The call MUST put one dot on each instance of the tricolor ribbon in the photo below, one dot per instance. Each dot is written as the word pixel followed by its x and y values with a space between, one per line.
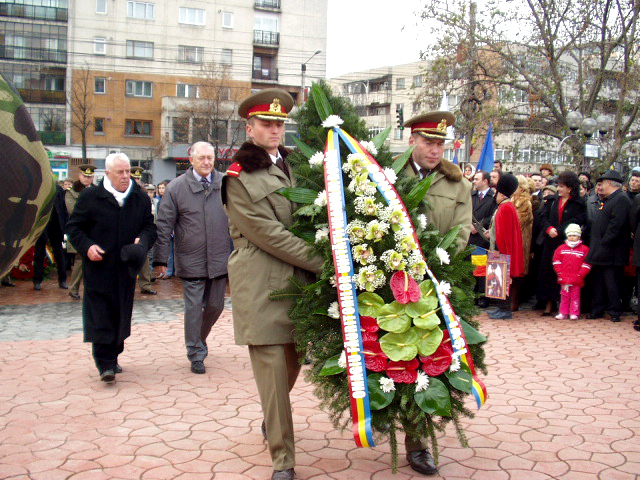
pixel 391 196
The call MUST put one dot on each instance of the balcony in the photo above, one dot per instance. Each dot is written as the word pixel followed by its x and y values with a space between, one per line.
pixel 264 37
pixel 267 4
pixel 265 74
pixel 42 96
pixel 35 12
pixel 31 53
pixel 53 138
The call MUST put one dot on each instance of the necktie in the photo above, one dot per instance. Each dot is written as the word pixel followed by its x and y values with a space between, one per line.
pixel 205 183
pixel 282 166
pixel 424 173
pixel 481 195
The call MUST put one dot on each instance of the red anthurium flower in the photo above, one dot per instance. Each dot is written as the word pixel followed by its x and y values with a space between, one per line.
pixel 375 358
pixel 438 363
pixel 369 336
pixel 403 372
pixel 369 324
pixel 405 289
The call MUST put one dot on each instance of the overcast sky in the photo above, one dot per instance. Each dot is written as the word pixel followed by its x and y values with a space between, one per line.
pixel 372 33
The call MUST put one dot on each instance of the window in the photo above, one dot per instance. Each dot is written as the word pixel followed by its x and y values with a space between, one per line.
pixel 98 126
pixel 226 56
pixel 138 49
pixel 398 134
pixel 137 127
pixel 100 85
pixel 417 80
pixel 187 91
pixel 227 20
pixel 139 89
pixel 192 16
pixel 268 24
pixel 101 6
pixel 400 84
pixel 190 54
pixel 180 128
pixel 100 45
pixel 141 10
pixel 54 83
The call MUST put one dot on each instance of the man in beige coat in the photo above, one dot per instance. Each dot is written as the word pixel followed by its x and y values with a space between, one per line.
pixel 265 255
pixel 449 197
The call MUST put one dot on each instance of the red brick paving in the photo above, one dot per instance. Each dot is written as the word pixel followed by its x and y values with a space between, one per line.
pixel 564 403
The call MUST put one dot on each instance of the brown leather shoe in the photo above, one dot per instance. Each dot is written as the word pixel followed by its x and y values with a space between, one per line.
pixel 422 462
pixel 288 474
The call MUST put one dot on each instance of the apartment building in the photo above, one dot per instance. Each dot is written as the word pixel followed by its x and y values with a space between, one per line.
pixel 148 78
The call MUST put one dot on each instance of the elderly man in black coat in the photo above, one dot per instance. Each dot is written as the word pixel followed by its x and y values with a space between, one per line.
pixel 609 247
pixel 112 228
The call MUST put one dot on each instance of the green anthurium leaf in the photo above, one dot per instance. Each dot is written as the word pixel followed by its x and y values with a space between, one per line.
pixel 306 150
pixel 378 399
pixel 435 400
pixel 428 289
pixel 450 237
pixel 380 138
pixel 417 193
pixel 308 211
pixel 428 321
pixel 322 103
pixel 428 340
pixel 331 367
pixel 460 380
pixel 424 306
pixel 401 161
pixel 369 303
pixel 299 195
pixel 392 318
pixel 473 336
pixel 400 346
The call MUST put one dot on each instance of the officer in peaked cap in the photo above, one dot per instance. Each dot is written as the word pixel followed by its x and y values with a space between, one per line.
pixel 449 196
pixel 266 254
pixel 87 170
pixel 136 174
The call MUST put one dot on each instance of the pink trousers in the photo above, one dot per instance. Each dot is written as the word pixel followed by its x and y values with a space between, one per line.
pixel 570 300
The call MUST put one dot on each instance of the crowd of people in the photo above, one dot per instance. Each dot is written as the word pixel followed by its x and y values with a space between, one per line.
pixel 560 219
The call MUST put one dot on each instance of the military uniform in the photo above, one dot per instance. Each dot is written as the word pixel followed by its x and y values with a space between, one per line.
pixel 265 255
pixel 144 277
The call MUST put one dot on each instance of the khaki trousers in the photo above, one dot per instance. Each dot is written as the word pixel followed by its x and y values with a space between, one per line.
pixel 144 277
pixel 276 368
pixel 76 274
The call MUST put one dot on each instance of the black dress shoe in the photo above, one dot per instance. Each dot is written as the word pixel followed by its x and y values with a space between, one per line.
pixel 8 283
pixel 288 474
pixel 593 316
pixel 615 318
pixel 63 285
pixel 197 366
pixel 148 291
pixel 118 368
pixel 483 302
pixel 37 286
pixel 74 295
pixel 108 376
pixel 422 462
pixel 636 325
pixel 263 429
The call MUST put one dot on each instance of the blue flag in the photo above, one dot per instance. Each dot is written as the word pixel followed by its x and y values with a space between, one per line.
pixel 455 157
pixel 487 157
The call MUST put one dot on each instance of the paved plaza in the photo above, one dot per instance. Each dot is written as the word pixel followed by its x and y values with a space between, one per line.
pixel 564 403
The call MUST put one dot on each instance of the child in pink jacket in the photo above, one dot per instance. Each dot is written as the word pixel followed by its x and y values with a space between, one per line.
pixel 571 267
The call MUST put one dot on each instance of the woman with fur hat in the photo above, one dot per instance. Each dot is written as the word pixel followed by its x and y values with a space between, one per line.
pixel 569 262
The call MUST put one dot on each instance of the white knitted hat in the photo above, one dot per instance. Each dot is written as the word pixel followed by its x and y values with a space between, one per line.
pixel 573 229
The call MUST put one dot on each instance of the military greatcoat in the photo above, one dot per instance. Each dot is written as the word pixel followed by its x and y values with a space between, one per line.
pixel 265 252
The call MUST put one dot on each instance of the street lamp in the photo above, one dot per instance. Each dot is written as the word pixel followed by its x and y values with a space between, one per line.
pixel 303 68
pixel 587 126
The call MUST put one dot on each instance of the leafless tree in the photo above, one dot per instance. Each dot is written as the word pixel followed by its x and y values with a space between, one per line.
pixel 80 105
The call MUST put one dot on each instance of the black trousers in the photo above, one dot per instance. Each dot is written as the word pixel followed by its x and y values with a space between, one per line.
pixel 53 234
pixel 106 355
pixel 607 290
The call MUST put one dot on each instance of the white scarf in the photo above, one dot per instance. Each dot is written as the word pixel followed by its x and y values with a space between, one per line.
pixel 119 196
pixel 573 244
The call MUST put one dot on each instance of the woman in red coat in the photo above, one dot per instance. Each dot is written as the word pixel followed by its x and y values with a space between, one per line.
pixel 506 237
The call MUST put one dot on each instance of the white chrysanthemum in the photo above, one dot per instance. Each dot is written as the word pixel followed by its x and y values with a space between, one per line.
pixel 370 147
pixel 342 361
pixel 321 199
pixel 334 310
pixel 445 288
pixel 316 159
pixel 332 121
pixel 332 281
pixel 443 256
pixel 391 175
pixel 422 383
pixel 387 384
pixel 422 221
pixel 455 364
pixel 322 234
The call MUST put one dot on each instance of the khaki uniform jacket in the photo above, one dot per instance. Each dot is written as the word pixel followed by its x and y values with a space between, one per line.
pixel 450 200
pixel 265 252
pixel 70 200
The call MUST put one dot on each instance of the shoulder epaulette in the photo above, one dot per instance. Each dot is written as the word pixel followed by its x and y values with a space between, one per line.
pixel 235 169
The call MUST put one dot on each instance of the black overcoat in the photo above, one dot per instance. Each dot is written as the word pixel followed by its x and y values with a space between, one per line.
pixel 108 286
pixel 610 232
pixel 634 221
pixel 575 211
pixel 482 213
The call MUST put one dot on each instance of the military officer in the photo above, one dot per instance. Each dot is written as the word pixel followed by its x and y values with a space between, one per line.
pixel 144 277
pixel 265 255
pixel 449 196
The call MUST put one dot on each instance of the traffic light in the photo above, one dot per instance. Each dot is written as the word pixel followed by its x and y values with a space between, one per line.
pixel 400 118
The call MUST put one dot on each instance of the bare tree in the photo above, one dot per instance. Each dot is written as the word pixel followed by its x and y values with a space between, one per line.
pixel 80 105
pixel 526 64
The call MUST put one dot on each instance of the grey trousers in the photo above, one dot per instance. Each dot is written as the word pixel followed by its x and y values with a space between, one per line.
pixel 203 304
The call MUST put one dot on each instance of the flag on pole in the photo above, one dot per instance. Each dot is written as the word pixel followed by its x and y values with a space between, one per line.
pixel 455 157
pixel 487 157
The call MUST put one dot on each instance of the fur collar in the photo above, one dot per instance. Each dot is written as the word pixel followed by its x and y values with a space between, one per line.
pixel 78 186
pixel 450 170
pixel 251 157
